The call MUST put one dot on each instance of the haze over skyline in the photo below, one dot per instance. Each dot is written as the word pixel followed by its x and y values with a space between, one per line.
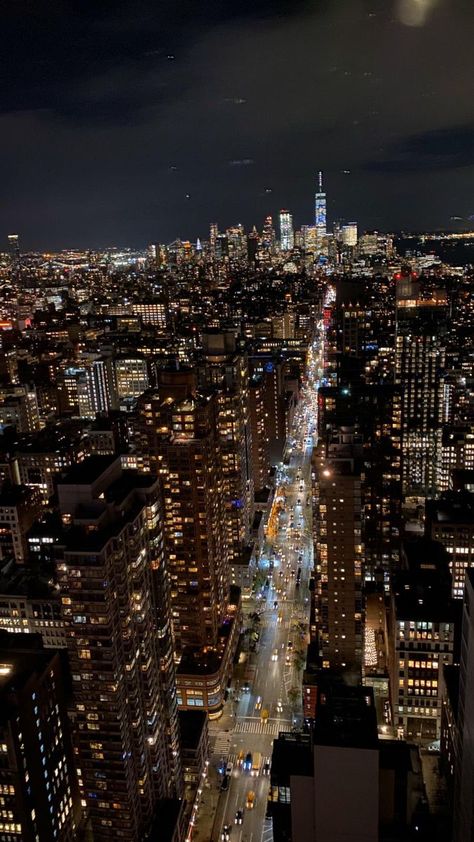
pixel 139 122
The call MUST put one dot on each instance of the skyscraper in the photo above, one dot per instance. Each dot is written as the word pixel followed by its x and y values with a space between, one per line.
pixel 341 556
pixel 14 251
pixel 420 354
pixel 267 241
pixel 110 564
pixel 287 236
pixel 226 370
pixel 320 215
pixel 180 438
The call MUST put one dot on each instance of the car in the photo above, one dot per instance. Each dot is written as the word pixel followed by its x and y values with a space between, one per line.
pixel 279 706
pixel 258 703
pixel 266 766
pixel 225 835
pixel 225 784
pixel 246 688
pixel 280 617
pixel 229 768
pixel 299 501
pixel 239 816
pixel 288 661
pixel 250 803
pixel 240 758
pixel 289 645
pixel 248 761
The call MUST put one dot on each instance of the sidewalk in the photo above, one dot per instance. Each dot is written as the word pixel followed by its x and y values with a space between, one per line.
pixel 207 808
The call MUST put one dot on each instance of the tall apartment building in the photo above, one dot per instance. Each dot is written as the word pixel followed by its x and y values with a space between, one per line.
pixel 373 411
pixel 39 793
pixel 179 436
pixel 340 556
pixel 271 372
pixel 111 573
pixel 422 634
pixel 259 461
pixel 419 369
pixel 226 370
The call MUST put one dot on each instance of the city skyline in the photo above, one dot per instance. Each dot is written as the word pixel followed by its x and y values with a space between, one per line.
pixel 134 124
pixel 237 421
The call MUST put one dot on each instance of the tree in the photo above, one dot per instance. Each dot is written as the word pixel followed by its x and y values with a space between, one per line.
pixel 293 696
pixel 299 659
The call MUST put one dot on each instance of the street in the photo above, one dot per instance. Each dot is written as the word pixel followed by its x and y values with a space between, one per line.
pixel 266 690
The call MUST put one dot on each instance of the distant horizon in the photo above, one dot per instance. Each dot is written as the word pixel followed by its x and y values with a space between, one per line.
pixel 445 232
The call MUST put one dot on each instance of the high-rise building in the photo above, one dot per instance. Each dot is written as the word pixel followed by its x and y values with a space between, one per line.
pixel 15 256
pixel 180 438
pixel 225 369
pixel 450 520
pixel 259 462
pixel 349 235
pixel 30 602
pixel 88 388
pixel 154 312
pixel 237 242
pixel 213 232
pixel 19 408
pixel 39 790
pixel 268 239
pixel 131 374
pixel 422 633
pixel 112 576
pixel 19 507
pixel 44 455
pixel 341 555
pixel 320 220
pixel 287 235
pixel 457 453
pixel 325 786
pixel 14 246
pixel 309 237
pixel 419 369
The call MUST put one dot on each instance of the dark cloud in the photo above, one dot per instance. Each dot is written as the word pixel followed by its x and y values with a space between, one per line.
pixel 441 149
pixel 102 135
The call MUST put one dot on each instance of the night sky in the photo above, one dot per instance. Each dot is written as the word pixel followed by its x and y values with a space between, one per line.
pixel 113 112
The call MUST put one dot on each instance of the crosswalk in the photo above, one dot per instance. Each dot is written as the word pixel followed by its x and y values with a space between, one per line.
pixel 267 833
pixel 220 744
pixel 256 726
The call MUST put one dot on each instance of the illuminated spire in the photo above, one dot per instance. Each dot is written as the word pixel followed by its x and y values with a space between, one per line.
pixel 320 181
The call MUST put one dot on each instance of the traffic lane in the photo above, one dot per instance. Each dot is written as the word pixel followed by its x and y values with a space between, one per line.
pixel 243 782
